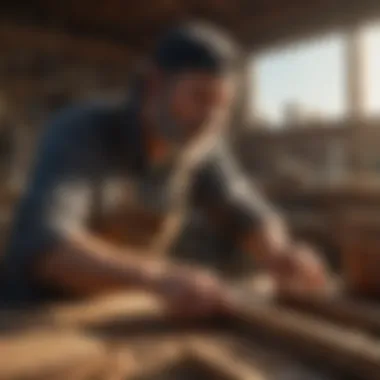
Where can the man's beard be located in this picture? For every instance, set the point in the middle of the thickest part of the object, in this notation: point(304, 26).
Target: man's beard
point(177, 135)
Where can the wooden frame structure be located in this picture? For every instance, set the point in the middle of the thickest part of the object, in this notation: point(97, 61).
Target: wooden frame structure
point(254, 23)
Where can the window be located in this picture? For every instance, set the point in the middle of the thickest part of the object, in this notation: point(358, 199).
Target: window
point(371, 78)
point(302, 82)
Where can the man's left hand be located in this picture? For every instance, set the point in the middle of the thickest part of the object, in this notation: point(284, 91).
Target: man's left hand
point(301, 271)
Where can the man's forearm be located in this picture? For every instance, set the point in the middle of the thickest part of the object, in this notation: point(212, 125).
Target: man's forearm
point(86, 266)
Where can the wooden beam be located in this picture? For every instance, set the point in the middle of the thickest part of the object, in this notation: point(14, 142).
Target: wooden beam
point(236, 357)
point(355, 73)
point(32, 355)
point(256, 24)
point(13, 37)
point(342, 348)
point(219, 363)
point(346, 312)
point(285, 24)
point(125, 307)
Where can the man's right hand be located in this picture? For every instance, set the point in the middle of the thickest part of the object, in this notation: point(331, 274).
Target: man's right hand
point(193, 293)
point(302, 272)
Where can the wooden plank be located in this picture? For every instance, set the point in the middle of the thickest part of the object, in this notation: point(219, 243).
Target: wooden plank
point(339, 331)
point(65, 354)
point(246, 359)
point(129, 308)
point(32, 355)
point(218, 361)
point(336, 305)
point(347, 312)
point(313, 337)
point(143, 358)
point(123, 306)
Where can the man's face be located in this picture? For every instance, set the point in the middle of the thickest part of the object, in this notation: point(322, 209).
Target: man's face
point(191, 101)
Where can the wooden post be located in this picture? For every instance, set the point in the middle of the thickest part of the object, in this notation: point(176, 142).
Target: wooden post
point(354, 93)
point(354, 61)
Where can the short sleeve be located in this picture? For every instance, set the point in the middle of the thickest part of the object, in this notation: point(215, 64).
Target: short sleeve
point(58, 197)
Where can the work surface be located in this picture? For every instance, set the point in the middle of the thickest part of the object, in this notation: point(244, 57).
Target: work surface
point(134, 337)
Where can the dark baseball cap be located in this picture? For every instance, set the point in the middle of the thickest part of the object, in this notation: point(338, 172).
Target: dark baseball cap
point(195, 47)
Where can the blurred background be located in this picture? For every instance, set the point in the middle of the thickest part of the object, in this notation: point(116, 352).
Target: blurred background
point(306, 126)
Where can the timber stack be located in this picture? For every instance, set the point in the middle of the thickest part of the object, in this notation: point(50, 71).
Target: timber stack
point(134, 337)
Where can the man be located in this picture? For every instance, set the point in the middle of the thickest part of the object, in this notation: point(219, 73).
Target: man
point(98, 162)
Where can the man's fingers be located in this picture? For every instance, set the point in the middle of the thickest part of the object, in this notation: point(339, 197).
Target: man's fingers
point(194, 293)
